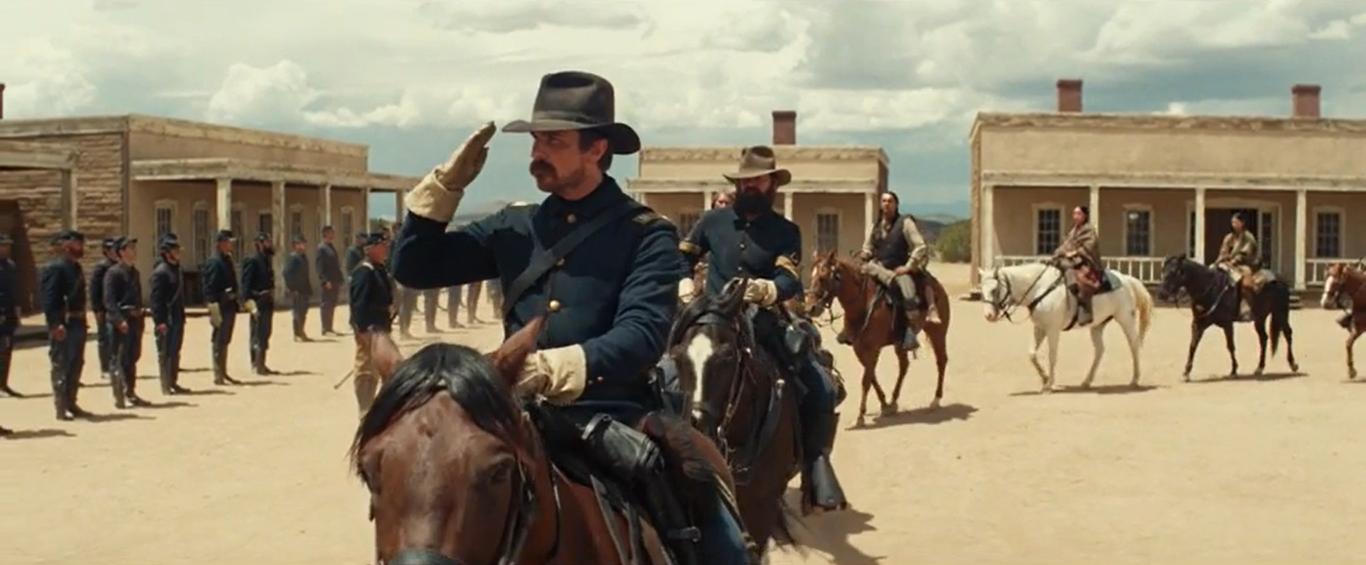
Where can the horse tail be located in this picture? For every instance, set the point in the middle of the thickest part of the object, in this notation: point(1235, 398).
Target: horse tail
point(1280, 313)
point(1143, 303)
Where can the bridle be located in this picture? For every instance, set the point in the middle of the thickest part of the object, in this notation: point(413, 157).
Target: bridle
point(1197, 302)
point(516, 526)
point(1005, 303)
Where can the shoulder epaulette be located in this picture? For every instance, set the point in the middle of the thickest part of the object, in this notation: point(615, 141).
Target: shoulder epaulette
point(646, 216)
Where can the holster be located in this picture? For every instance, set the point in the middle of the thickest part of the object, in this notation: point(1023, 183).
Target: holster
point(667, 386)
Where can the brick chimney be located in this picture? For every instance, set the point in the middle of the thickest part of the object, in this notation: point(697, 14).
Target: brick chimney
point(784, 127)
point(1305, 100)
point(1069, 95)
point(2, 100)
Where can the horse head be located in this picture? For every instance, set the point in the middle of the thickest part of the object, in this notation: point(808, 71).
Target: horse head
point(825, 283)
point(1342, 282)
point(997, 292)
point(454, 473)
point(706, 347)
point(1177, 273)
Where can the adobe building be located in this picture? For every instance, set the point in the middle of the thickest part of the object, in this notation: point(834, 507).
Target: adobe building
point(1161, 185)
point(146, 176)
point(832, 197)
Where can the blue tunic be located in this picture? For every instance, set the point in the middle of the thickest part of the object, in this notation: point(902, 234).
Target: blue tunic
point(769, 247)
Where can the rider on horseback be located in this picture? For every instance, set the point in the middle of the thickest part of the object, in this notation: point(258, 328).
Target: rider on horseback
point(749, 240)
point(894, 252)
point(1239, 256)
point(607, 309)
point(1079, 254)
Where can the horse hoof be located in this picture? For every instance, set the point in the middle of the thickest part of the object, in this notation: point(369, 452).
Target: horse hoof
point(889, 409)
point(1046, 390)
point(934, 403)
point(858, 424)
point(1258, 372)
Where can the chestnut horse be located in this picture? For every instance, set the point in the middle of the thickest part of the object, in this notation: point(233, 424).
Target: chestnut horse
point(458, 474)
point(738, 397)
point(834, 278)
point(1346, 282)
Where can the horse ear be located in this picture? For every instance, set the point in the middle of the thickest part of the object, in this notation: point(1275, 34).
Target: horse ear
point(509, 358)
point(733, 294)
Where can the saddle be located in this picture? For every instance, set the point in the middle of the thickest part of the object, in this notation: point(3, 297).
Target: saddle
point(648, 472)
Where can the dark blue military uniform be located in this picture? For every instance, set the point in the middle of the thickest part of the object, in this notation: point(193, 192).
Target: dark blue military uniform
point(123, 307)
point(9, 317)
point(615, 295)
point(354, 255)
point(168, 308)
point(64, 306)
point(372, 298)
point(300, 286)
point(258, 286)
point(769, 247)
point(330, 281)
point(221, 294)
point(97, 299)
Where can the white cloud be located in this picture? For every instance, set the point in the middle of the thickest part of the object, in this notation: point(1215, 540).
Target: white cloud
point(518, 15)
point(45, 80)
point(262, 95)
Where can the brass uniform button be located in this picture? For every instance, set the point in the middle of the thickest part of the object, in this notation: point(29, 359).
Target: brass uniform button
point(554, 306)
point(560, 263)
point(571, 218)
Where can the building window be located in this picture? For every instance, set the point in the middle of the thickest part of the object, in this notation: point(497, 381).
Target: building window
point(348, 227)
point(238, 230)
point(296, 224)
point(264, 221)
point(165, 219)
point(1266, 236)
point(201, 234)
point(686, 221)
point(1138, 225)
point(827, 232)
point(1328, 234)
point(1047, 230)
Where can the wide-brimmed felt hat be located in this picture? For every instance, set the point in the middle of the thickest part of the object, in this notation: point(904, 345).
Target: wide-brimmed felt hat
point(758, 161)
point(226, 235)
point(575, 100)
point(169, 242)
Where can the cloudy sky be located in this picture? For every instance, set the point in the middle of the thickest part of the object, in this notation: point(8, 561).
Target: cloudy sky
point(411, 78)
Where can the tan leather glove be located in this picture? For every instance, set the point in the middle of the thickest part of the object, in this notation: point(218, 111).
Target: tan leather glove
point(686, 289)
point(438, 194)
point(558, 374)
point(215, 314)
point(250, 307)
point(763, 292)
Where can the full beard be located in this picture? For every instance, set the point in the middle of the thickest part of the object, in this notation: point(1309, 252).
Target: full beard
point(753, 202)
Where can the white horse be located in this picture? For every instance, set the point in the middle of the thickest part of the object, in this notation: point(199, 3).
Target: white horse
point(1040, 288)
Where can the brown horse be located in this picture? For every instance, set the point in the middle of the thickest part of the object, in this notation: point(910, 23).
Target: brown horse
point(738, 397)
point(834, 278)
point(1346, 282)
point(458, 474)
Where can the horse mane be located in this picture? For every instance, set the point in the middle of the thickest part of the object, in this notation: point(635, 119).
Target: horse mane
point(458, 370)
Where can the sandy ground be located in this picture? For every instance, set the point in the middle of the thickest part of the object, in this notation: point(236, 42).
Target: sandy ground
point(1253, 470)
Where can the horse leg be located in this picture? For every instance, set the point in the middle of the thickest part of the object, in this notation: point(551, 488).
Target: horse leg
point(1197, 332)
point(903, 362)
point(1232, 352)
point(1289, 336)
point(1260, 325)
point(939, 339)
point(1039, 334)
point(869, 362)
point(1131, 334)
point(1351, 366)
point(1098, 343)
point(1052, 360)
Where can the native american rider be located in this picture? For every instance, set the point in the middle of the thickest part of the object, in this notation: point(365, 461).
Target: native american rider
point(1241, 257)
point(895, 252)
point(1079, 254)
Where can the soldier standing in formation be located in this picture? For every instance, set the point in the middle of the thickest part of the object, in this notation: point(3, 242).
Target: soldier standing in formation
point(355, 254)
point(9, 313)
point(97, 303)
point(372, 302)
point(330, 279)
point(123, 312)
point(220, 293)
point(453, 294)
point(300, 286)
point(431, 302)
point(64, 304)
point(168, 313)
point(258, 289)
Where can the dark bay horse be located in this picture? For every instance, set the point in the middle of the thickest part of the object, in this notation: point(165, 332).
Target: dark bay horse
point(1214, 302)
point(834, 278)
point(1349, 284)
point(458, 474)
point(738, 397)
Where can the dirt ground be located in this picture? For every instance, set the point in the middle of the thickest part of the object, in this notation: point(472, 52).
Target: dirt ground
point(1255, 470)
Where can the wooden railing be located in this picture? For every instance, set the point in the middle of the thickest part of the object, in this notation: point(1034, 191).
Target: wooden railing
point(1146, 269)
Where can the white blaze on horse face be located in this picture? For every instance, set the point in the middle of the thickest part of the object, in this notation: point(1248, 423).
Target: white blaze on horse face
point(700, 349)
point(1328, 289)
point(989, 287)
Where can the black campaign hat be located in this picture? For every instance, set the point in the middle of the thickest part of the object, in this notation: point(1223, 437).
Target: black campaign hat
point(108, 243)
point(374, 238)
point(576, 100)
point(169, 242)
point(226, 235)
point(68, 235)
point(262, 237)
point(121, 243)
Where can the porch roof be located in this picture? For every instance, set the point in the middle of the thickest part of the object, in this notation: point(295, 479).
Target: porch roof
point(242, 169)
point(18, 155)
point(1180, 181)
point(829, 186)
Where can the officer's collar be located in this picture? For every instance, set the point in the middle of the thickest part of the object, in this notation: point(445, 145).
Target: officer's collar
point(606, 193)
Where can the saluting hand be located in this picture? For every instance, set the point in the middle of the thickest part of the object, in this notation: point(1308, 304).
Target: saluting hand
point(467, 161)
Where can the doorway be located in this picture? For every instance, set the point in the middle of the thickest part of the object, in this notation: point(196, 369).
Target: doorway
point(1261, 222)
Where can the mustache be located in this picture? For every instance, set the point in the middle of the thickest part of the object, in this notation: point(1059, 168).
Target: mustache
point(541, 167)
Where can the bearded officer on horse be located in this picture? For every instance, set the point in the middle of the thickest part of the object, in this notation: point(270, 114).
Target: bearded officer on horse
point(606, 309)
point(894, 253)
point(749, 240)
point(1079, 256)
point(1240, 256)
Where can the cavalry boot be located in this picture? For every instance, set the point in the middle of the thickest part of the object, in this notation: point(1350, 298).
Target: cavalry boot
point(164, 374)
point(910, 340)
point(219, 375)
point(670, 519)
point(7, 391)
point(59, 402)
point(261, 360)
point(820, 487)
point(120, 388)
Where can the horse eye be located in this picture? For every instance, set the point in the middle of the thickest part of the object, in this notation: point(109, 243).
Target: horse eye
point(499, 472)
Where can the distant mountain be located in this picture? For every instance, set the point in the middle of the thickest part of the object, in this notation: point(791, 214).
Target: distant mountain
point(947, 212)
